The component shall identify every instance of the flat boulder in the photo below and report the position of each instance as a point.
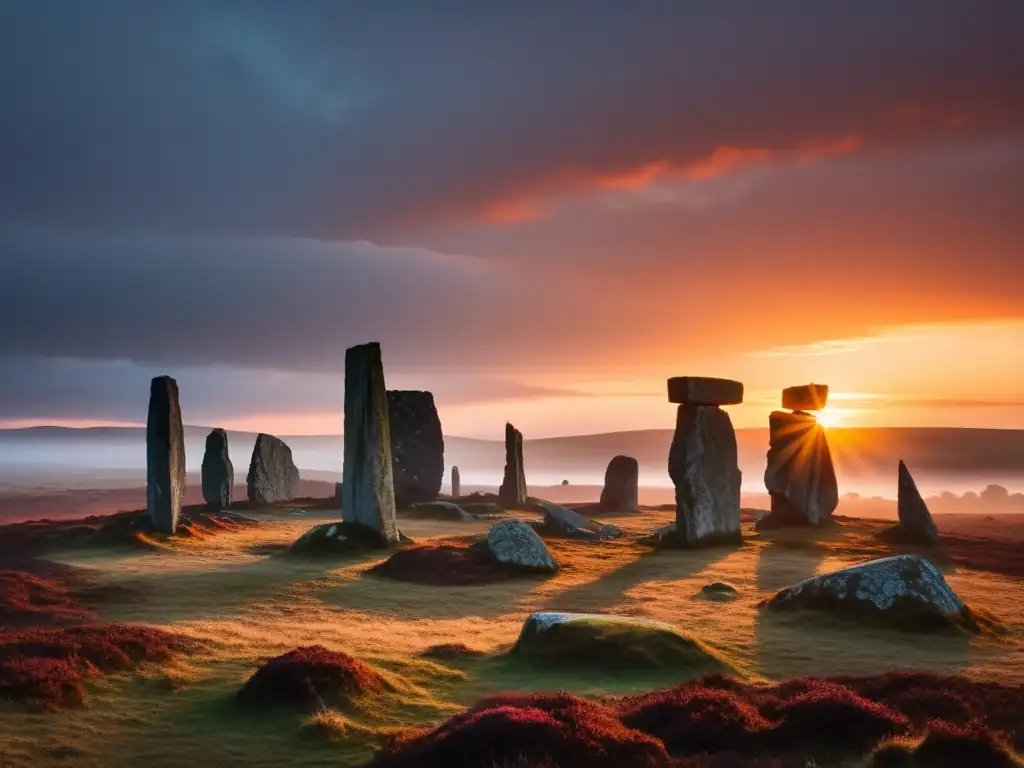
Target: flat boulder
(703, 463)
(218, 474)
(165, 455)
(806, 397)
(800, 475)
(514, 543)
(417, 446)
(905, 592)
(916, 525)
(610, 642)
(621, 480)
(702, 390)
(559, 520)
(273, 476)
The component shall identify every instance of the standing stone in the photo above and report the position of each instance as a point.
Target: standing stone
(165, 455)
(368, 491)
(512, 492)
(703, 463)
(916, 525)
(800, 475)
(456, 483)
(218, 473)
(620, 493)
(273, 476)
(417, 446)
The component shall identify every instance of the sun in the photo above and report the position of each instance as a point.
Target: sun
(831, 418)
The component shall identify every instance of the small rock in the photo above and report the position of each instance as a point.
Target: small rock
(701, 390)
(718, 590)
(806, 397)
(513, 542)
(620, 492)
(273, 476)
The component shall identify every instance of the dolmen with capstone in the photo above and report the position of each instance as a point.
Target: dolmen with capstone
(165, 455)
(218, 474)
(620, 492)
(904, 591)
(273, 476)
(800, 475)
(512, 492)
(562, 521)
(916, 525)
(417, 446)
(703, 463)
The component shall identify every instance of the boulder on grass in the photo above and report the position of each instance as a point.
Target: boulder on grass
(610, 642)
(273, 476)
(339, 538)
(513, 542)
(905, 591)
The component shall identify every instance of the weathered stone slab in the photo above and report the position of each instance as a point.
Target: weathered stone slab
(513, 487)
(620, 492)
(567, 522)
(703, 463)
(273, 476)
(368, 492)
(702, 390)
(905, 591)
(916, 525)
(800, 476)
(417, 446)
(218, 474)
(806, 397)
(456, 482)
(165, 455)
(513, 542)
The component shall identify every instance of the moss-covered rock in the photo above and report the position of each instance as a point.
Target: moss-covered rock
(514, 543)
(906, 591)
(610, 642)
(340, 538)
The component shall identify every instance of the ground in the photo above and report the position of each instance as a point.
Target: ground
(243, 600)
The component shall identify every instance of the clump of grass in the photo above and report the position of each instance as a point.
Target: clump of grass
(451, 652)
(445, 565)
(307, 677)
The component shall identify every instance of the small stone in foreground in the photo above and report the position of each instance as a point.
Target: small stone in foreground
(165, 455)
(702, 390)
(513, 542)
(273, 476)
(805, 397)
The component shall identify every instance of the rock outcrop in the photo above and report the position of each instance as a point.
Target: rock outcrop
(514, 543)
(368, 493)
(620, 492)
(417, 446)
(456, 483)
(218, 474)
(800, 476)
(165, 455)
(512, 492)
(701, 390)
(916, 525)
(608, 641)
(905, 591)
(273, 476)
(703, 463)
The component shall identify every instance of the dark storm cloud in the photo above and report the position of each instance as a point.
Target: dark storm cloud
(345, 120)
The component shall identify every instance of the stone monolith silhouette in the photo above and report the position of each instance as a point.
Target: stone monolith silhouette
(456, 482)
(165, 455)
(417, 446)
(273, 476)
(512, 492)
(218, 474)
(620, 492)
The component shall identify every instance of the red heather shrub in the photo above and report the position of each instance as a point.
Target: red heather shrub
(48, 666)
(947, 746)
(444, 565)
(529, 730)
(31, 599)
(308, 676)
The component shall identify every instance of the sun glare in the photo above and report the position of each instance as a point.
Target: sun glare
(829, 418)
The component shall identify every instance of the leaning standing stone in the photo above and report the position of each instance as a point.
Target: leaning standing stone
(368, 492)
(620, 493)
(165, 455)
(916, 525)
(456, 483)
(417, 446)
(512, 492)
(273, 475)
(703, 463)
(218, 474)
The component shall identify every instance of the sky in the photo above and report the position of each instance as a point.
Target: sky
(540, 210)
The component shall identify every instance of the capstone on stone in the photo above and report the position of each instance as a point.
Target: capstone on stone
(701, 390)
(513, 487)
(218, 474)
(800, 476)
(621, 478)
(806, 397)
(417, 446)
(703, 463)
(368, 493)
(165, 455)
(273, 476)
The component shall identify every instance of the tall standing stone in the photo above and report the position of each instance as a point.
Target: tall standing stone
(512, 492)
(273, 476)
(800, 476)
(456, 482)
(916, 525)
(703, 463)
(165, 455)
(417, 446)
(620, 492)
(218, 474)
(368, 491)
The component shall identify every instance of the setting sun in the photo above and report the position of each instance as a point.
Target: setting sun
(830, 418)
